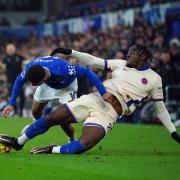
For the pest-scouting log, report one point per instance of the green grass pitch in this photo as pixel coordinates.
(127, 152)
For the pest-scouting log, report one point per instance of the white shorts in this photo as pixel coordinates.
(93, 110)
(44, 93)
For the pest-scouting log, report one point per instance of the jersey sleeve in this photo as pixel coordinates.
(112, 64)
(164, 116)
(88, 60)
(157, 91)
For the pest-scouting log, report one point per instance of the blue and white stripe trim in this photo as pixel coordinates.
(95, 125)
(70, 112)
(137, 102)
(106, 65)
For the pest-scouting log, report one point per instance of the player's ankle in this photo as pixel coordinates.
(56, 149)
(21, 140)
(71, 139)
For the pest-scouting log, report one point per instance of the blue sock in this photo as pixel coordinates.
(74, 147)
(47, 110)
(40, 126)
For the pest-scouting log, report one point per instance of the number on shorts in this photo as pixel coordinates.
(73, 95)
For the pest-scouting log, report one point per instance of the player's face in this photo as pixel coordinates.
(37, 84)
(42, 81)
(133, 57)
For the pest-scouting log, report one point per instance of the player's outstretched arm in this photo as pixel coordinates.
(20, 80)
(83, 58)
(164, 116)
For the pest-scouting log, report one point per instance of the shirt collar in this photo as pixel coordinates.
(145, 67)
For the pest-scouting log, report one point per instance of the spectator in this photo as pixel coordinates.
(109, 43)
(169, 70)
(175, 50)
(13, 64)
(3, 89)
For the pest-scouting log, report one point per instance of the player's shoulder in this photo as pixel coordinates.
(59, 60)
(117, 61)
(48, 59)
(44, 59)
(154, 75)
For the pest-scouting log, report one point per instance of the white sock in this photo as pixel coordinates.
(22, 139)
(56, 149)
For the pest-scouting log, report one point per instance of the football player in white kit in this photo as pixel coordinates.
(133, 81)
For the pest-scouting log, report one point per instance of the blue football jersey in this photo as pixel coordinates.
(61, 73)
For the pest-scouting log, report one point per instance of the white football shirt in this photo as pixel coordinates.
(132, 84)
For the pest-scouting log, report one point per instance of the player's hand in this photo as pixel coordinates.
(107, 97)
(61, 51)
(175, 136)
(7, 110)
(110, 98)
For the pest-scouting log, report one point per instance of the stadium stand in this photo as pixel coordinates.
(107, 33)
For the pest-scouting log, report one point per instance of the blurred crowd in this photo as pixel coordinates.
(76, 8)
(20, 5)
(108, 44)
(71, 8)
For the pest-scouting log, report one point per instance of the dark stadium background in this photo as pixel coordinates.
(102, 28)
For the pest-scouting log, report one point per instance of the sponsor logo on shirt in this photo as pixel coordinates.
(144, 81)
(43, 60)
(71, 70)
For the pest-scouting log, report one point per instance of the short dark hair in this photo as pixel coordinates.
(144, 50)
(35, 74)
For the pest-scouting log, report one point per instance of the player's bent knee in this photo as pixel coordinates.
(88, 145)
(36, 114)
(91, 136)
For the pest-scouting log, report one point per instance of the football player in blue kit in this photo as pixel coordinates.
(56, 79)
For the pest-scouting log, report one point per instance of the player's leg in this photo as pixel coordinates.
(100, 117)
(90, 136)
(66, 95)
(69, 130)
(41, 97)
(62, 115)
(90, 107)
(40, 126)
(37, 109)
(45, 94)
